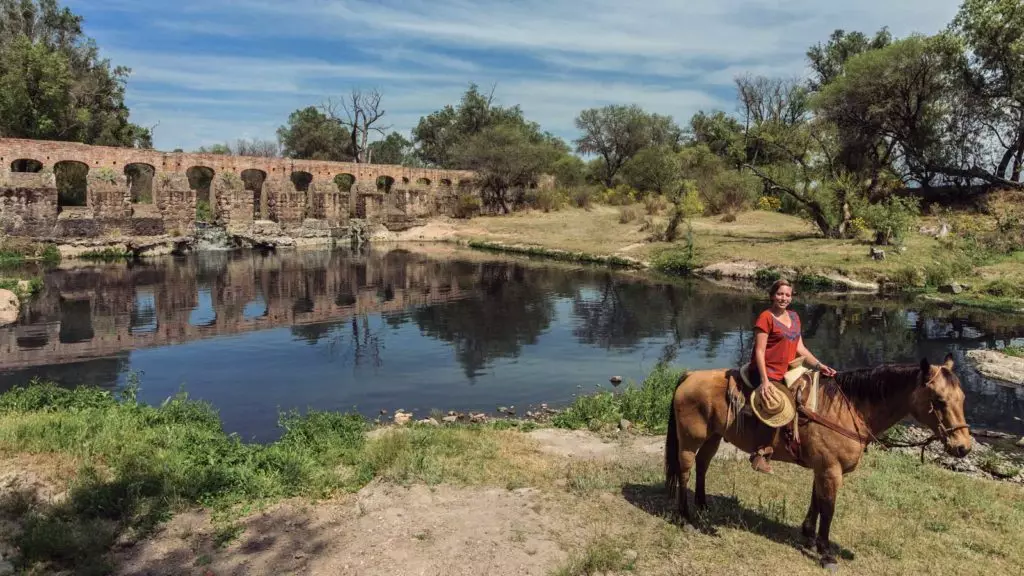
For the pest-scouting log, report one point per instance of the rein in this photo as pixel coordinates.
(942, 435)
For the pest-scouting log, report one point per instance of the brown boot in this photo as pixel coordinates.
(760, 462)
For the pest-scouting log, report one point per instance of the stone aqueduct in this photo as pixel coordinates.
(297, 194)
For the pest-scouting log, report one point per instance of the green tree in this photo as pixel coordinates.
(439, 135)
(993, 32)
(508, 159)
(570, 171)
(311, 135)
(218, 149)
(655, 169)
(54, 85)
(828, 60)
(617, 133)
(720, 133)
(394, 149)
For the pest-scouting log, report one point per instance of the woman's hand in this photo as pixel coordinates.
(768, 392)
(827, 371)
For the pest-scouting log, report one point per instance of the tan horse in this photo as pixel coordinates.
(860, 404)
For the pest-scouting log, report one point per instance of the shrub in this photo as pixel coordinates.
(203, 212)
(582, 197)
(467, 205)
(628, 214)
(768, 204)
(545, 199)
(1004, 288)
(892, 219)
(654, 204)
(646, 406)
(621, 195)
(675, 261)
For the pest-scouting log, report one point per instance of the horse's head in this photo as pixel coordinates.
(938, 403)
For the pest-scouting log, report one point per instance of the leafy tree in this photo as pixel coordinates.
(54, 85)
(721, 189)
(655, 169)
(993, 32)
(439, 135)
(720, 133)
(219, 149)
(394, 149)
(311, 135)
(828, 61)
(617, 133)
(507, 159)
(569, 171)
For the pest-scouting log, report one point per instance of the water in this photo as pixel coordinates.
(433, 328)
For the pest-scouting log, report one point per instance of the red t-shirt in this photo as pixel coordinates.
(782, 343)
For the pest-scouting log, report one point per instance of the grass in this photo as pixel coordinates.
(108, 254)
(137, 465)
(1016, 351)
(14, 285)
(646, 405)
(16, 252)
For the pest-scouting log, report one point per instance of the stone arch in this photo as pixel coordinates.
(253, 179)
(384, 184)
(423, 181)
(72, 183)
(26, 165)
(140, 182)
(345, 182)
(447, 183)
(301, 180)
(200, 179)
(405, 180)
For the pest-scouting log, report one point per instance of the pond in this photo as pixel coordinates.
(426, 328)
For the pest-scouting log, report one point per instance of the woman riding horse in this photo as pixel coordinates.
(777, 342)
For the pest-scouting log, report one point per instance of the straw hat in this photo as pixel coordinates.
(776, 413)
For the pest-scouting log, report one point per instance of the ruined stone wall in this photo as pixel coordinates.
(28, 204)
(33, 210)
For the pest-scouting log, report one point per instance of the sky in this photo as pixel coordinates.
(213, 71)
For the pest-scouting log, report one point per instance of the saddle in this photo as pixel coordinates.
(801, 386)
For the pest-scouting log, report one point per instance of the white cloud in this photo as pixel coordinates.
(553, 57)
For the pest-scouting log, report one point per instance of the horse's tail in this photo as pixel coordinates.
(673, 474)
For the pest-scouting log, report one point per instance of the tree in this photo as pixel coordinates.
(655, 169)
(362, 114)
(257, 148)
(828, 61)
(617, 133)
(311, 135)
(218, 149)
(993, 32)
(507, 159)
(720, 133)
(438, 135)
(394, 149)
(54, 86)
(569, 171)
(721, 189)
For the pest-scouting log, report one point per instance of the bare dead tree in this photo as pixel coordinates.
(362, 111)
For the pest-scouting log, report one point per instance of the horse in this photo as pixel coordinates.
(855, 407)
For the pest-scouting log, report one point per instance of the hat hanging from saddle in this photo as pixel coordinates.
(775, 413)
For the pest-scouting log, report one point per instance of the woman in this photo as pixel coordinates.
(777, 342)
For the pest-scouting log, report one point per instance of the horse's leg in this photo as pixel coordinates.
(827, 484)
(704, 457)
(687, 454)
(810, 525)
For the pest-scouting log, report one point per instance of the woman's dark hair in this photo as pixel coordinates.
(779, 284)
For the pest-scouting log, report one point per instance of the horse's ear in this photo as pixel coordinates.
(925, 367)
(949, 362)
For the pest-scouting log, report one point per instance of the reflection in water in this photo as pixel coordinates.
(254, 333)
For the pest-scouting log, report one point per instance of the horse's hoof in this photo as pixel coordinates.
(830, 565)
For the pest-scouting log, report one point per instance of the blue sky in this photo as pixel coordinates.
(212, 71)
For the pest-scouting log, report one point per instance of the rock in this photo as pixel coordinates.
(943, 231)
(1020, 443)
(402, 418)
(998, 366)
(877, 253)
(630, 556)
(450, 419)
(625, 425)
(430, 422)
(477, 418)
(951, 288)
(616, 380)
(10, 307)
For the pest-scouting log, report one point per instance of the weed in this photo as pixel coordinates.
(1017, 351)
(628, 213)
(602, 555)
(108, 254)
(646, 406)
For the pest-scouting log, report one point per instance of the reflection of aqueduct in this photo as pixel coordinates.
(144, 192)
(97, 312)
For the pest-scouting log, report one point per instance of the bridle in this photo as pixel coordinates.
(942, 435)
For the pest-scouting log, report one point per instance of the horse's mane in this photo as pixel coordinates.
(877, 384)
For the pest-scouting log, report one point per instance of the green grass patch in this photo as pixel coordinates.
(564, 255)
(109, 254)
(35, 285)
(1017, 351)
(602, 555)
(646, 405)
(15, 252)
